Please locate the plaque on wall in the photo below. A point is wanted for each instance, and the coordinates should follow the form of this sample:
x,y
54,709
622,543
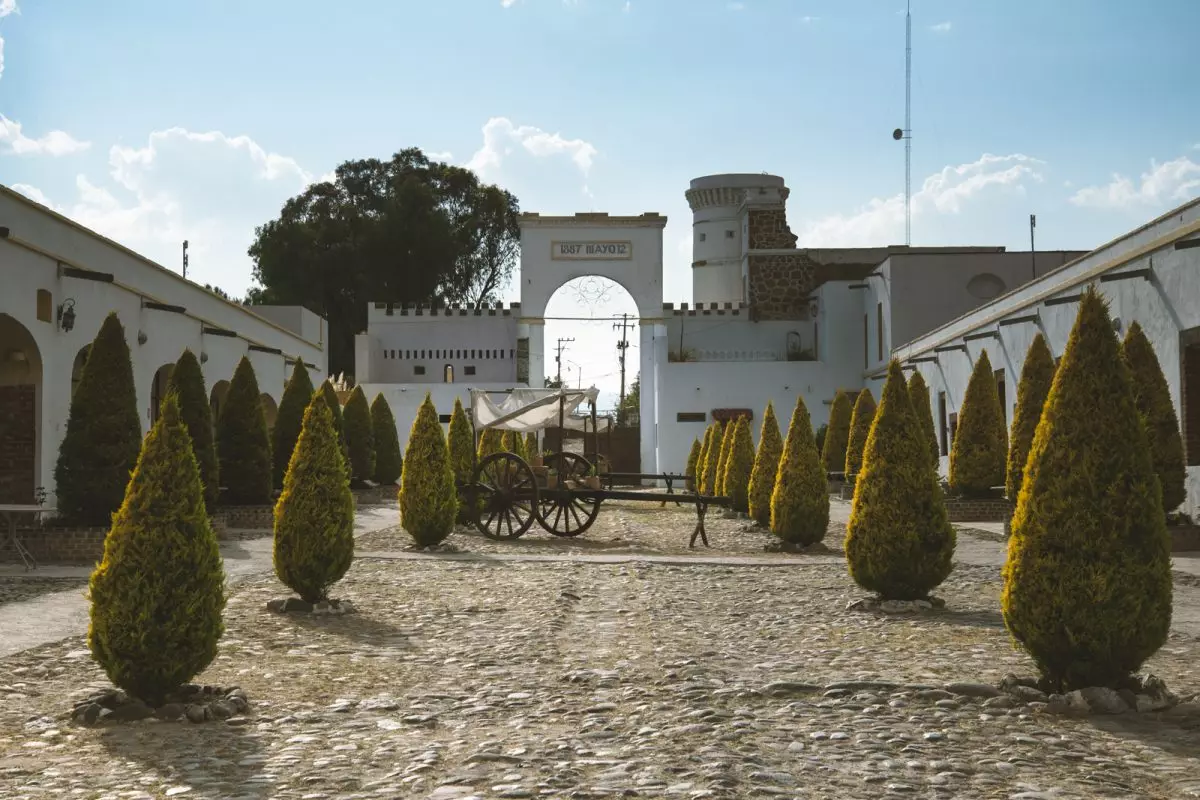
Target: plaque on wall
x,y
591,251
727,414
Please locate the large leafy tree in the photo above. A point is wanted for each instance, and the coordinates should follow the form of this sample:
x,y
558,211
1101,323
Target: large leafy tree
x,y
404,230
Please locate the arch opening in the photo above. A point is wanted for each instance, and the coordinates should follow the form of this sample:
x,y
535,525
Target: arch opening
x,y
216,398
270,410
21,388
158,390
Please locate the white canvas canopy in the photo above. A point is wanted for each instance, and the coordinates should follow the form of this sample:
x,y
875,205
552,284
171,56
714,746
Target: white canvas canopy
x,y
526,410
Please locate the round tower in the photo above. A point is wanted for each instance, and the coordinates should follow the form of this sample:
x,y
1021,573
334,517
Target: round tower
x,y
719,230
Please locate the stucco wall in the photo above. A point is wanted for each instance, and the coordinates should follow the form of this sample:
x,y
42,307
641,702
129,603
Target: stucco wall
x,y
395,345
730,335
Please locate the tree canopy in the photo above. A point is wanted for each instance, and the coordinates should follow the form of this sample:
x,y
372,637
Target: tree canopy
x,y
405,230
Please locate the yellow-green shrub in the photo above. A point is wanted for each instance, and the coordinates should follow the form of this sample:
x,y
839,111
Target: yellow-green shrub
x,y
702,459
899,541
766,468
388,463
243,443
187,384
460,445
297,394
723,457
860,428
531,445
428,499
1037,374
314,516
1153,399
800,500
490,441
712,458
1087,583
692,459
360,439
837,433
335,410
738,465
979,457
918,395
158,593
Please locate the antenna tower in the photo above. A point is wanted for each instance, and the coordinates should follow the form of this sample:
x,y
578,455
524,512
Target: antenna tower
x,y
905,133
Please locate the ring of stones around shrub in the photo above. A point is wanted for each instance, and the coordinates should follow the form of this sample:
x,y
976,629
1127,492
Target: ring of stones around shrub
x,y
189,703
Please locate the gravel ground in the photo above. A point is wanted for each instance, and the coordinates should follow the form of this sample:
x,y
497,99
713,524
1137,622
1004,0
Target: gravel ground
x,y
468,679
14,589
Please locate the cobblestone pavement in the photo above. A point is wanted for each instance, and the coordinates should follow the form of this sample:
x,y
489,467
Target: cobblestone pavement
x,y
508,679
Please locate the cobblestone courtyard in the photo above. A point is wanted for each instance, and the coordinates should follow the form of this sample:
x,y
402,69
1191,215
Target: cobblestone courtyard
x,y
489,678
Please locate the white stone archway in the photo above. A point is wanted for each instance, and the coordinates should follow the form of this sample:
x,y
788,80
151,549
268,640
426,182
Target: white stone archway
x,y
625,250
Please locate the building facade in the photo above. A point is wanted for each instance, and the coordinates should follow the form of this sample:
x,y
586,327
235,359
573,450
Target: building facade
x,y
60,280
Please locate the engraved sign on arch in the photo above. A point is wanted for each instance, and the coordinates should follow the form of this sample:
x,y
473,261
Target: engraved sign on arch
x,y
591,251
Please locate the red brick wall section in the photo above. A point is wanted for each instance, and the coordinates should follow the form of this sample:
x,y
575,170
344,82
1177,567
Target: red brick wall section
x,y
18,443
58,545
249,517
990,510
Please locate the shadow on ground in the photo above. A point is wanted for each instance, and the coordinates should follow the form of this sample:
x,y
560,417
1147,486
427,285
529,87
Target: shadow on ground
x,y
358,627
1173,732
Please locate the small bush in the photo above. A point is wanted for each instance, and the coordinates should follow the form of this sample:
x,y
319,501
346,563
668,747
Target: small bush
x,y
314,517
531,445
513,442
335,409
388,463
104,433
800,501
158,594
860,428
1037,374
490,441
702,459
360,439
428,500
712,457
899,541
187,384
918,395
738,464
1087,584
460,445
290,418
243,443
692,460
766,468
723,457
837,434
979,457
1153,399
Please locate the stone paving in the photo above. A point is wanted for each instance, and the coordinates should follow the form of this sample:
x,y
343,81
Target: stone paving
x,y
568,678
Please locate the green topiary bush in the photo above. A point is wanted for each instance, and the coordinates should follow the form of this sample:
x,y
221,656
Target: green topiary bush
x,y
243,444
692,460
290,418
531,445
1153,399
1087,583
187,384
1037,374
335,409
388,463
314,517
158,593
837,433
702,459
104,433
513,442
979,457
738,465
490,441
819,437
723,457
800,500
712,457
460,444
860,428
899,541
918,395
428,500
766,468
360,437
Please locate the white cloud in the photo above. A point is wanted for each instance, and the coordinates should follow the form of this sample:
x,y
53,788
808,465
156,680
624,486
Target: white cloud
x,y
1171,182
808,20
508,3
54,143
6,7
33,193
443,155
941,27
501,138
881,221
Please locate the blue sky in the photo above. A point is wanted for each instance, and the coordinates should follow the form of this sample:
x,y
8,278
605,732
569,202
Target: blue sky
x,y
155,122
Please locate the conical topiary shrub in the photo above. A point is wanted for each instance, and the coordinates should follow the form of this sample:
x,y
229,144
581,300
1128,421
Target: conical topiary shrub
x,y
335,409
979,457
388,463
1087,583
800,500
513,442
314,517
491,441
460,444
692,459
428,500
1153,399
860,428
104,433
766,468
187,384
899,541
712,458
290,418
702,459
837,434
723,457
531,445
360,438
158,593
1037,374
738,465
918,395
243,444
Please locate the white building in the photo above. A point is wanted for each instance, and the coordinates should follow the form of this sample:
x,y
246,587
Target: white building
x,y
60,280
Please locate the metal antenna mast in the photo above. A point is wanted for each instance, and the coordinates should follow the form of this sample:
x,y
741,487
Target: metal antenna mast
x,y
905,133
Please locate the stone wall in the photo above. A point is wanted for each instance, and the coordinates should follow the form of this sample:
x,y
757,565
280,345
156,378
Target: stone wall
x,y
18,443
249,517
1184,538
378,495
962,509
779,283
57,545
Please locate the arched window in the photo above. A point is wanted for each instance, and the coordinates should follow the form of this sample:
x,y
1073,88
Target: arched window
x,y
448,374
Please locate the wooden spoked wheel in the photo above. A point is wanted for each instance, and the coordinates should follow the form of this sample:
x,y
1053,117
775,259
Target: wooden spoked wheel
x,y
570,466
566,512
506,496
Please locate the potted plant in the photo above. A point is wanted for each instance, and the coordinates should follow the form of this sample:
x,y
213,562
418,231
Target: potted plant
x,y
552,478
536,460
592,481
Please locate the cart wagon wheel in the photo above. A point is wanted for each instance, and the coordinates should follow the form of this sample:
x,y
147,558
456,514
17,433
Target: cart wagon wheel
x,y
567,513
506,496
570,466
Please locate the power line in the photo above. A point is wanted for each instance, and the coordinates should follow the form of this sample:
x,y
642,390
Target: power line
x,y
558,358
624,325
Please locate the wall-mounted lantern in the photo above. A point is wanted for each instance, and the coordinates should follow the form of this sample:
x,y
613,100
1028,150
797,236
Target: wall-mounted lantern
x,y
66,315
142,338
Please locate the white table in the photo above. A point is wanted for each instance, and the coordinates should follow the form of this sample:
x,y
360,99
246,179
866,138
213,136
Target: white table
x,y
10,512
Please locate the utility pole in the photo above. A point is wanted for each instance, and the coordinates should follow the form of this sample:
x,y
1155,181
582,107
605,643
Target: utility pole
x,y
624,325
1032,251
558,359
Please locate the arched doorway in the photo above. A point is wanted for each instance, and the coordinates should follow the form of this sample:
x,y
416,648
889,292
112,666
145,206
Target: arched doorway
x,y
20,401
158,390
448,373
216,398
270,410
